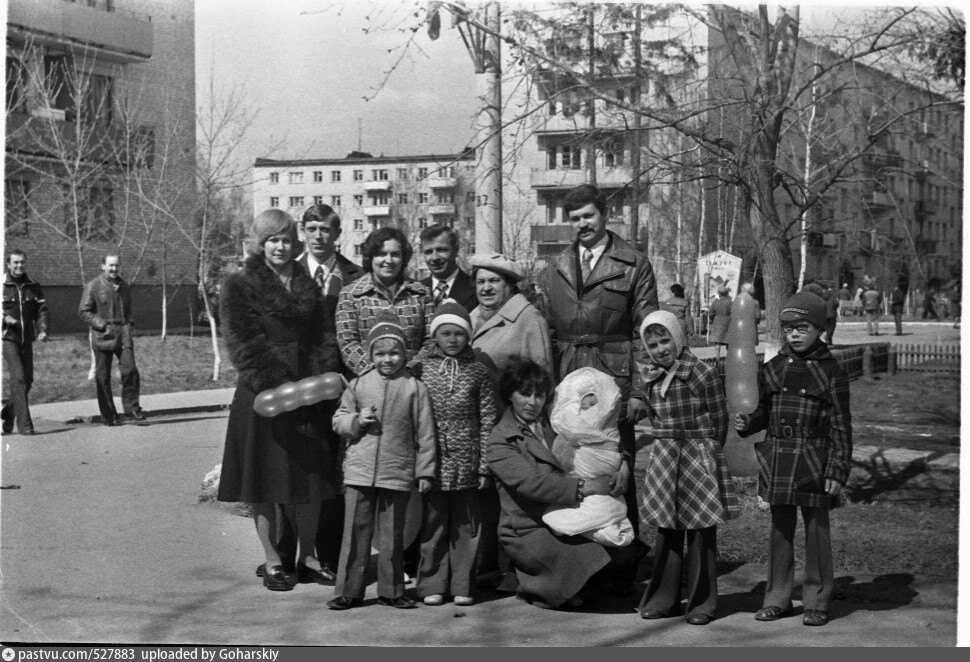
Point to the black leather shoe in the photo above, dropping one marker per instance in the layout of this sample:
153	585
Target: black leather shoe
340	603
699	619
772	613
28	431
287	567
275	579
400	602
307	575
815	617
138	415
112	422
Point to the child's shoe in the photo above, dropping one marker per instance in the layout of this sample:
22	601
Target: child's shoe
464	601
772	613
340	603
435	600
815	617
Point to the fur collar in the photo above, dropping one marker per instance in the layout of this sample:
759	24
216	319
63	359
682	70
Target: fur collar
300	301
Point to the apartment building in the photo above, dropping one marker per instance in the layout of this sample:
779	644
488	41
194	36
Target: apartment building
100	96
409	192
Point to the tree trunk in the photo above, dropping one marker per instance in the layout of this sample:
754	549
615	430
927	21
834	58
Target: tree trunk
216	358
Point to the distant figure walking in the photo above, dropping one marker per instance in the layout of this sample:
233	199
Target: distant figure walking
720	317
897	301
871	300
929	299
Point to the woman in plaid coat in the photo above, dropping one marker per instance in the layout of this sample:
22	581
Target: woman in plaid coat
804	459
687	490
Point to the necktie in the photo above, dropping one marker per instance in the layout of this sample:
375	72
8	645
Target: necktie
587	263
319	277
439	292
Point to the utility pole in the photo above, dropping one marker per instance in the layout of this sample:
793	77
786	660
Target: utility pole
486	53
591	104
635	157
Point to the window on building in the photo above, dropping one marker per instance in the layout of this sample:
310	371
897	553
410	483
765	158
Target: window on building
358	224
572	156
402	198
422	173
335	176
16	205
318	176
334	201
380	198
446	171
296	201
16	85
95	214
57	81
274	178
552	213
379	175
553	107
359	199
469	221
357	250
358	175
422	222
274	201
402	173
422	198
620	95
318	199
444	197
296	178
470	197
613	155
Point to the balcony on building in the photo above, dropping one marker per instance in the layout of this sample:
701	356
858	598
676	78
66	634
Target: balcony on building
378	185
441	209
923	208
545	178
880	158
878	199
372	211
441	182
119	36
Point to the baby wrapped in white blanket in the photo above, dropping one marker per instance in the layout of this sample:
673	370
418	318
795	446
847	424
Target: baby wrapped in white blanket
585	411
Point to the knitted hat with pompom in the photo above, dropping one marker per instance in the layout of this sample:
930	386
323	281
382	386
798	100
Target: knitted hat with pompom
386	325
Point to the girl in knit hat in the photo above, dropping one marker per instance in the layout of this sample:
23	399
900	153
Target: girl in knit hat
687	489
465	408
385	417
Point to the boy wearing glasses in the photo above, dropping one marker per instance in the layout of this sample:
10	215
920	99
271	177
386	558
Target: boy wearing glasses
804	458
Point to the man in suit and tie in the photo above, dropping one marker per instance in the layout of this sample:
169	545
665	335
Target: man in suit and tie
595	295
320	227
439	244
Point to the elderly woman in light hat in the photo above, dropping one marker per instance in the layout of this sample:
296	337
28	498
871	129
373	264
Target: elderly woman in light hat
272	314
505	324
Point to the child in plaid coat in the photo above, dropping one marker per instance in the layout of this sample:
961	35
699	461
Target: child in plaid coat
687	490
804	459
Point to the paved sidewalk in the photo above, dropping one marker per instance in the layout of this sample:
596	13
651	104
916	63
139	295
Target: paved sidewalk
157	404
103	540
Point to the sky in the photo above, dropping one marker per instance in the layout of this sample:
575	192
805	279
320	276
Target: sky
308	66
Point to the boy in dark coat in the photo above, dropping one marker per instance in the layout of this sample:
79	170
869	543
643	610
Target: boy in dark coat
804	459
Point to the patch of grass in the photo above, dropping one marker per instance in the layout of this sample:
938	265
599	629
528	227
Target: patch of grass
180	363
878	538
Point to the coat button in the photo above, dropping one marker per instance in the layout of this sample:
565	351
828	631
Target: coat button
785	389
802	391
791	360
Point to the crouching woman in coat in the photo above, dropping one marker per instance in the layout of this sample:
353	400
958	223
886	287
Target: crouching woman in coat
272	313
551	568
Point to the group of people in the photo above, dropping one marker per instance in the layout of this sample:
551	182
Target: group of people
440	442
105	308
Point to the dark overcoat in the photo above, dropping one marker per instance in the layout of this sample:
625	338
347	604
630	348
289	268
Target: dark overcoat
273	336
804	405
720	316
530	479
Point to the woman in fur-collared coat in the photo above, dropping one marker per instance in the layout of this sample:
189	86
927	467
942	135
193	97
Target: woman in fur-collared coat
282	465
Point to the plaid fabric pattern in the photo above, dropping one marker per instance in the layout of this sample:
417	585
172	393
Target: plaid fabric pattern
687	484
465	409
802	393
357	309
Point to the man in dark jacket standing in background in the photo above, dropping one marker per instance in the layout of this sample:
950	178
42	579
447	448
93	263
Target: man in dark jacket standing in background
439	245
831	311
595	294
106	308
897	302
25	318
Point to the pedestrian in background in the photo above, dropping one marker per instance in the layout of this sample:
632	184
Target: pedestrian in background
677	304
720	317
25	319
831	311
929	310
106	308
871	300
897	302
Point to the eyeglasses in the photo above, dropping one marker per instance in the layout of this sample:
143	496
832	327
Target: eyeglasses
804	327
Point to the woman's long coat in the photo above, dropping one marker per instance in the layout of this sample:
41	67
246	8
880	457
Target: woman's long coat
516	329
720	316
530	479
274	336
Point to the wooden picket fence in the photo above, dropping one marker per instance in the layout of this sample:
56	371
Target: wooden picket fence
933	357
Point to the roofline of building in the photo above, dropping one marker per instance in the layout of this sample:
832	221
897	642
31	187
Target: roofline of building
468	155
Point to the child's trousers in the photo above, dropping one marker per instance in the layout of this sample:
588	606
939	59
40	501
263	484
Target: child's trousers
449	542
365	508
663	593
819	573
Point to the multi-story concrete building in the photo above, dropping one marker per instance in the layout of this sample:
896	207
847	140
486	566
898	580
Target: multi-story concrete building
899	203
409	192
100	108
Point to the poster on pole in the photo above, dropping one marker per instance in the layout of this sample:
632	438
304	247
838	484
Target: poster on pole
717	269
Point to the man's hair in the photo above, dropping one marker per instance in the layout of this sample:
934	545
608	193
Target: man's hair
677	290
432	232
583	195
375	241
16	251
321	213
524	376
104	260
